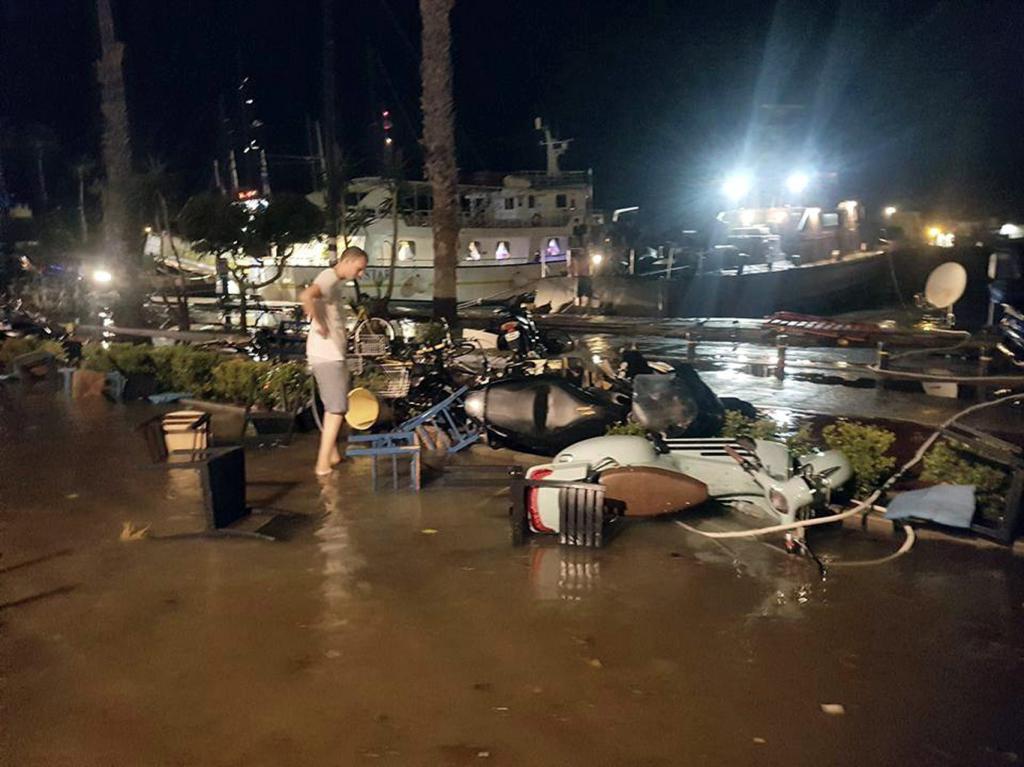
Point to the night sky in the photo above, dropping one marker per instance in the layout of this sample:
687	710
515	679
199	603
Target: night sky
918	102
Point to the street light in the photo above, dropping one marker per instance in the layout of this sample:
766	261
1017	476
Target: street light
102	276
737	186
797	182
889	211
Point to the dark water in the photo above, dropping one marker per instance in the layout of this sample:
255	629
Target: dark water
402	628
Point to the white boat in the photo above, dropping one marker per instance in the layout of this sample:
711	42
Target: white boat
514	229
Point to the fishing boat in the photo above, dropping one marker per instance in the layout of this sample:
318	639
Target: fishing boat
757	261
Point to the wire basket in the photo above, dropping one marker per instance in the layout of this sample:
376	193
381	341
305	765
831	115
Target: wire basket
396	380
354	365
369	342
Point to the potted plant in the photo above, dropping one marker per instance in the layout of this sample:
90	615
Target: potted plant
98	374
283	392
230	386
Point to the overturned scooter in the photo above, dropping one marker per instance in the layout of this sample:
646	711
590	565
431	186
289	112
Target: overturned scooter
594	484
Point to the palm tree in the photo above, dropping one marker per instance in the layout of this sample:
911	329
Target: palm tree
83	167
40	140
329	96
4	203
439	146
117	162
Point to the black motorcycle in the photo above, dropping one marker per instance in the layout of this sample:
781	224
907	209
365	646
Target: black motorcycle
518	332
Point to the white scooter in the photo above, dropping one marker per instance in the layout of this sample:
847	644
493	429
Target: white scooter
592	484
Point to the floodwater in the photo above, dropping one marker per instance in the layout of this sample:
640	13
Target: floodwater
402	628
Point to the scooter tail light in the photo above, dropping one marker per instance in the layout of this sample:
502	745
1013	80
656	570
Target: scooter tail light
532	508
779	502
507	326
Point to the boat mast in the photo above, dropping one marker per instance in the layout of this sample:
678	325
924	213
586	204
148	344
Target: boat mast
555	147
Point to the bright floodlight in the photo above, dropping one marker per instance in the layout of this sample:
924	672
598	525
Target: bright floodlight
737	186
102	276
890	211
797	182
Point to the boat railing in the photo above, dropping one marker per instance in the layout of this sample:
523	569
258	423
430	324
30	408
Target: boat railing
540	179
487	220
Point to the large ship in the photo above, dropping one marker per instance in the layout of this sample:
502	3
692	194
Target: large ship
515	228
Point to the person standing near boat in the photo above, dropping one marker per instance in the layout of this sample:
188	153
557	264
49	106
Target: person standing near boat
326	343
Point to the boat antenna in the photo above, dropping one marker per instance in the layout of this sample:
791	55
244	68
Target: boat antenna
555	147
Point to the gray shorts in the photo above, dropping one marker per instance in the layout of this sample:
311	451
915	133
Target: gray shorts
332	383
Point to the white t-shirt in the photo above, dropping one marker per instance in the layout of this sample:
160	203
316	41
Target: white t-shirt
335	314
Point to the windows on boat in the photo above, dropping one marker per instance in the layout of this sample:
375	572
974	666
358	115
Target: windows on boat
503	250
554	247
531	201
510	203
560	201
406	250
475	251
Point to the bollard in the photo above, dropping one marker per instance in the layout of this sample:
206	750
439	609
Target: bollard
780	356
691	348
882	362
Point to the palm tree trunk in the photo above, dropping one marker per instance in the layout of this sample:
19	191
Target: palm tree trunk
439	145
395	191
117	164
83	223
329	120
44	196
3	206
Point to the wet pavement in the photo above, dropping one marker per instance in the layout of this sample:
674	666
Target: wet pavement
402	628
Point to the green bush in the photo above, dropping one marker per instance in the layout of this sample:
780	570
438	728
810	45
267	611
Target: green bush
96	357
802	442
628	429
866	447
238	381
10	348
738	425
950	463
184	368
191	370
284	386
132	359
163	365
125	358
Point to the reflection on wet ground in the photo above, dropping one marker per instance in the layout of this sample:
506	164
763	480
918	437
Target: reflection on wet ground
402	628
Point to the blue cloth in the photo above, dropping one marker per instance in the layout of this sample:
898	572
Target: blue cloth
951	505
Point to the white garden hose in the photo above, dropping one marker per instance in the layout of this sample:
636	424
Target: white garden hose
867	502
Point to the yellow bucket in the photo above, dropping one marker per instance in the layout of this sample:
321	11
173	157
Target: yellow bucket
363	409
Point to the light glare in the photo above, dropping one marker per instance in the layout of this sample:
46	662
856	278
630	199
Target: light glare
737	186
797	182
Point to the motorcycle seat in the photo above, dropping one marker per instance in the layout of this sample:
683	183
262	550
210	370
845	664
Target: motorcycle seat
649	491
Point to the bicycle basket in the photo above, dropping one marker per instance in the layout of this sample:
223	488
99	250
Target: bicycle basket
372	338
354	365
396	380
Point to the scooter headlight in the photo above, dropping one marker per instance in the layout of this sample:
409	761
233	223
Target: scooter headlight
779	502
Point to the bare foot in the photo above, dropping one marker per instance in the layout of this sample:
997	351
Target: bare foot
322	471
336	458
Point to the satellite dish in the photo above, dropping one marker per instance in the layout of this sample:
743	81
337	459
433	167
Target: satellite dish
945	285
